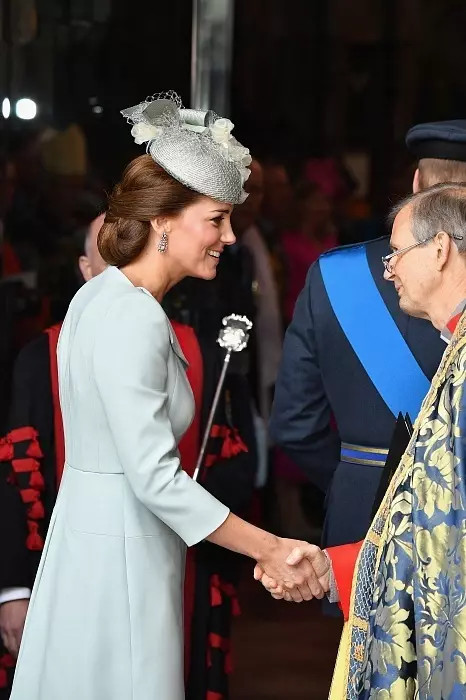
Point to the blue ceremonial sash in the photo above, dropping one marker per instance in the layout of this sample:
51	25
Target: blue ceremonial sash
382	350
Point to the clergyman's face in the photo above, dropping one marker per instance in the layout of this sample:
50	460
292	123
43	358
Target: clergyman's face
414	272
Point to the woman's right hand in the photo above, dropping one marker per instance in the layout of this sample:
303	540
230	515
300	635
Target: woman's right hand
299	580
296	577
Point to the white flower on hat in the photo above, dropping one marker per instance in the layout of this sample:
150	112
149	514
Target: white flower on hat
142	132
221	131
245	173
232	150
239	154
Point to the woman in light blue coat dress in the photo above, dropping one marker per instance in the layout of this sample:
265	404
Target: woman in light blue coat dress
105	617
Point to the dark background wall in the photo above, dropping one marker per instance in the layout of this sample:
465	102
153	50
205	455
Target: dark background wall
310	77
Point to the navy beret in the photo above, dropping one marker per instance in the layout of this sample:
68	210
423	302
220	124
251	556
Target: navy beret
441	140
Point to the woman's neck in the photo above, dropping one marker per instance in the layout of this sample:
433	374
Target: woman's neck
156	276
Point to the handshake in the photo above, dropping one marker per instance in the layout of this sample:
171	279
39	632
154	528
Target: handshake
300	575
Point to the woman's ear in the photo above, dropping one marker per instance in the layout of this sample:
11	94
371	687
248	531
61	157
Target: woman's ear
160	225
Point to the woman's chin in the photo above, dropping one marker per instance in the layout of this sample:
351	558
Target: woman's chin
206	274
209	271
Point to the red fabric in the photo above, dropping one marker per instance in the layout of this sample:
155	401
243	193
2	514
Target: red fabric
53	332
189	445
36	511
6	661
34	450
31	495
218	642
343	562
10	262
232	444
6	450
34	540
218	431
219	588
36	481
22	434
30	464
453	322
189	449
20	466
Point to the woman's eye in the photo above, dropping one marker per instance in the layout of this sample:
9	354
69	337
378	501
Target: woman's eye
218	220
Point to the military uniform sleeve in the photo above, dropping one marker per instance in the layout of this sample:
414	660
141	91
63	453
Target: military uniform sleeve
130	365
301	415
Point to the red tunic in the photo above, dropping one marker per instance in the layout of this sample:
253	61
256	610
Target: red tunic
189	450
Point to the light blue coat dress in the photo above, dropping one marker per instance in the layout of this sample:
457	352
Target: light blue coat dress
105	619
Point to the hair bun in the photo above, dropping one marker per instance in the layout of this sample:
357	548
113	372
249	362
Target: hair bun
145	192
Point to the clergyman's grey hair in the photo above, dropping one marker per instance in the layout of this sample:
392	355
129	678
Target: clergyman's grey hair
439	208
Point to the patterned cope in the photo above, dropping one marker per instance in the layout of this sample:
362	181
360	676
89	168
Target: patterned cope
406	634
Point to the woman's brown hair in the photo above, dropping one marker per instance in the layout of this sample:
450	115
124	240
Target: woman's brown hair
145	192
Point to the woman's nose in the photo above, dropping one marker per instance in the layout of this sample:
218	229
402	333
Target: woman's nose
227	237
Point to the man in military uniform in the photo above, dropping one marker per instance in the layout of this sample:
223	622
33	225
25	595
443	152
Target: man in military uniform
350	353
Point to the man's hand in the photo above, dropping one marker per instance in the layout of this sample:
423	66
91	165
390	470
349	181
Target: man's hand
291	574
12	617
303	552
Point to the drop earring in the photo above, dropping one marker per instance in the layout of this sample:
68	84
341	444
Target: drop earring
163	243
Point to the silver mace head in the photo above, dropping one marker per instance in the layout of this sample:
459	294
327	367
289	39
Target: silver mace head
234	336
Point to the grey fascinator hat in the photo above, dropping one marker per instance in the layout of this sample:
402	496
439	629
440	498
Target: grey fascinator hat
195	147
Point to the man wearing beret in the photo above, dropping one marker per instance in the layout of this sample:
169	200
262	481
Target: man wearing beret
351	353
440	148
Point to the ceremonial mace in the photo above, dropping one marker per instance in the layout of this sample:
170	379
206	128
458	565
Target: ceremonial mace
233	337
